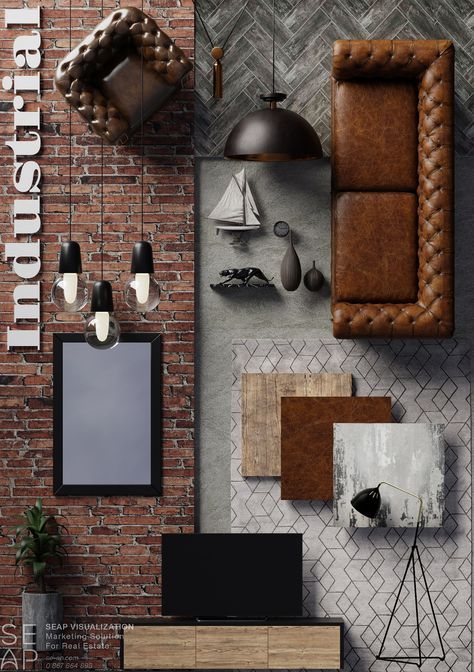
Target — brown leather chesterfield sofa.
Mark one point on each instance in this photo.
(392, 188)
(101, 78)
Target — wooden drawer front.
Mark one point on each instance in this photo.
(164, 647)
(310, 647)
(237, 647)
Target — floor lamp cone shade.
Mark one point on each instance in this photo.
(273, 134)
(367, 502)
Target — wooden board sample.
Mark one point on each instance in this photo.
(167, 647)
(307, 439)
(261, 398)
(228, 647)
(291, 647)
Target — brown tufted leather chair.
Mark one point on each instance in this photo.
(101, 78)
(392, 188)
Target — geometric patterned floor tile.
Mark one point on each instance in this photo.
(352, 572)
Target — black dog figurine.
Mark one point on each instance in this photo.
(244, 275)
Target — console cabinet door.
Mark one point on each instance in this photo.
(310, 647)
(237, 647)
(156, 647)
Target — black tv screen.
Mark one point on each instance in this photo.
(232, 575)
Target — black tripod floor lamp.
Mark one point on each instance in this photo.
(368, 502)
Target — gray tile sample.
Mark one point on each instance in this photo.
(409, 455)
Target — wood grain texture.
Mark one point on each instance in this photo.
(307, 439)
(261, 405)
(291, 647)
(160, 648)
(227, 647)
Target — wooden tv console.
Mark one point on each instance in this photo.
(311, 643)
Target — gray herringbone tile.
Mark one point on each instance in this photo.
(305, 31)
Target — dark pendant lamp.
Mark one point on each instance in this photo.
(368, 502)
(69, 291)
(102, 330)
(273, 133)
(142, 291)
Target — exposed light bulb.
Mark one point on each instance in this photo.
(69, 292)
(102, 320)
(70, 287)
(142, 286)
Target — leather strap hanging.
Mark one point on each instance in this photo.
(217, 52)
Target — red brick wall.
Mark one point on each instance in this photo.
(113, 568)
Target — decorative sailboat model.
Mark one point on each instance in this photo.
(237, 210)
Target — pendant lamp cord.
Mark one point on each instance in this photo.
(102, 186)
(231, 30)
(102, 209)
(142, 138)
(273, 49)
(70, 131)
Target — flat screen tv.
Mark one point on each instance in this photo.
(232, 575)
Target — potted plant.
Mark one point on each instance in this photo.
(38, 542)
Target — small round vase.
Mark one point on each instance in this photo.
(313, 279)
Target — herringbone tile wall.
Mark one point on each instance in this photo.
(305, 31)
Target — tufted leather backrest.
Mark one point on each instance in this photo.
(126, 29)
(431, 64)
(380, 59)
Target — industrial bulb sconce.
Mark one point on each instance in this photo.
(69, 292)
(102, 329)
(142, 291)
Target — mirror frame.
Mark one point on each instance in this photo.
(154, 488)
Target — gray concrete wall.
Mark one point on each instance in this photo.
(300, 194)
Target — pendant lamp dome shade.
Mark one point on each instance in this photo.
(273, 134)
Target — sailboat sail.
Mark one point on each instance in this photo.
(237, 205)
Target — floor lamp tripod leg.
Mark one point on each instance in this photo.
(396, 601)
(416, 609)
(431, 604)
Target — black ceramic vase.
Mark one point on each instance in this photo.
(290, 271)
(313, 279)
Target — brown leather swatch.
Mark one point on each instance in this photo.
(307, 439)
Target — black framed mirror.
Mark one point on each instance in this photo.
(107, 416)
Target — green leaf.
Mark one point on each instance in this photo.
(39, 568)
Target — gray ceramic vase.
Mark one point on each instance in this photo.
(40, 613)
(290, 270)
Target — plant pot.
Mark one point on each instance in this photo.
(42, 612)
